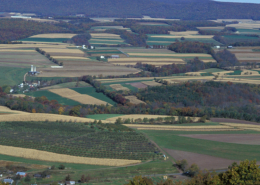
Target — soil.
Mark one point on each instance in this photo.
(203, 161)
(226, 120)
(138, 85)
(248, 139)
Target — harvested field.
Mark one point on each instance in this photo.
(203, 161)
(226, 120)
(139, 85)
(183, 128)
(134, 100)
(211, 28)
(116, 60)
(187, 36)
(65, 50)
(130, 50)
(81, 98)
(184, 33)
(151, 63)
(136, 116)
(54, 35)
(62, 158)
(248, 139)
(104, 35)
(20, 96)
(243, 126)
(238, 80)
(151, 83)
(33, 166)
(119, 87)
(70, 57)
(24, 116)
(207, 61)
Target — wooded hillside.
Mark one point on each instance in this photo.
(136, 8)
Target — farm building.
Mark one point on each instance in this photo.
(218, 47)
(102, 57)
(33, 71)
(115, 56)
(22, 174)
(70, 183)
(230, 47)
(8, 181)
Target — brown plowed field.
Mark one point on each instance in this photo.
(226, 120)
(248, 139)
(203, 161)
(139, 85)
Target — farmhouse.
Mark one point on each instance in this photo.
(22, 174)
(8, 181)
(70, 183)
(115, 56)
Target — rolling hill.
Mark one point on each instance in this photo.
(187, 9)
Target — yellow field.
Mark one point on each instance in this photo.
(182, 128)
(184, 33)
(134, 100)
(207, 61)
(45, 45)
(222, 73)
(151, 63)
(172, 55)
(142, 116)
(151, 83)
(249, 72)
(236, 80)
(245, 26)
(187, 36)
(145, 59)
(54, 35)
(119, 87)
(69, 57)
(81, 98)
(53, 157)
(65, 50)
(104, 35)
(17, 50)
(208, 28)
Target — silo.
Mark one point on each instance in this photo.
(34, 69)
(31, 68)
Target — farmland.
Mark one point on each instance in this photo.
(203, 150)
(83, 140)
(99, 39)
(52, 38)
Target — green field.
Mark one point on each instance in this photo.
(240, 37)
(35, 39)
(212, 70)
(167, 41)
(91, 91)
(69, 85)
(12, 75)
(103, 116)
(172, 140)
(53, 96)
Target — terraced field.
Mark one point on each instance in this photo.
(98, 39)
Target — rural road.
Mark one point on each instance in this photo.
(123, 52)
(24, 77)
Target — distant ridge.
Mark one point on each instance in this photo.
(179, 9)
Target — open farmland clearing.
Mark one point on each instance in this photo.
(80, 140)
(249, 139)
(119, 87)
(52, 38)
(54, 35)
(151, 83)
(134, 100)
(81, 98)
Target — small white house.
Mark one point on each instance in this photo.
(102, 57)
(218, 47)
(8, 181)
(11, 91)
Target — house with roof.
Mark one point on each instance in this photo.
(8, 181)
(22, 174)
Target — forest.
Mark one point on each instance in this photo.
(15, 29)
(194, 10)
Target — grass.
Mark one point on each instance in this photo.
(68, 85)
(237, 72)
(240, 37)
(91, 91)
(53, 96)
(212, 70)
(171, 140)
(45, 39)
(103, 116)
(11, 75)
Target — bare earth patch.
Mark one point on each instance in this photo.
(203, 161)
(134, 100)
(139, 85)
(119, 87)
(151, 83)
(248, 139)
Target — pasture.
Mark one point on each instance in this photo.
(12, 75)
(49, 38)
(201, 148)
(99, 39)
(169, 39)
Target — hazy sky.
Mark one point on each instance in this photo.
(241, 1)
